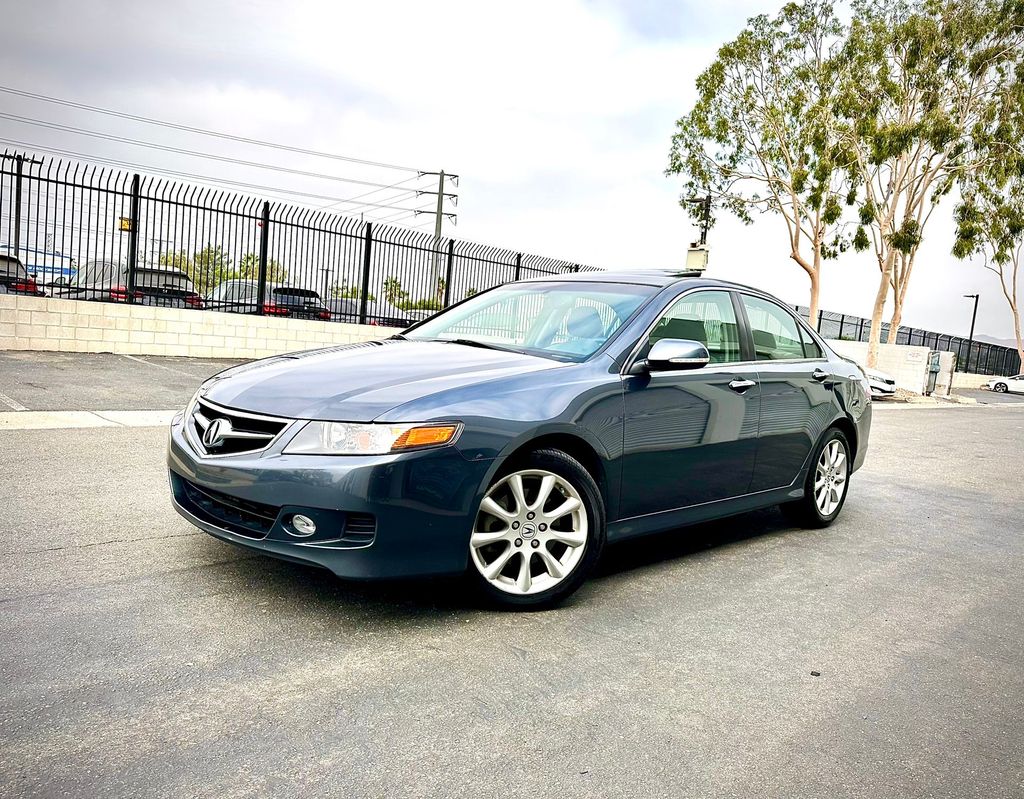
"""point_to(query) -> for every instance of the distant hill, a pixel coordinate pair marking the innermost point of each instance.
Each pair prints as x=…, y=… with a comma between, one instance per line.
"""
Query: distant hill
x=1002, y=342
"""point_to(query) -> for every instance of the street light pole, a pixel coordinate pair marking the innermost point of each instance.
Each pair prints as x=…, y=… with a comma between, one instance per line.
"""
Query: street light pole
x=970, y=341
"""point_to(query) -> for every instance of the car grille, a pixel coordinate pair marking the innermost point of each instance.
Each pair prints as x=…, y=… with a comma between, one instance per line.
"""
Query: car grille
x=220, y=431
x=241, y=516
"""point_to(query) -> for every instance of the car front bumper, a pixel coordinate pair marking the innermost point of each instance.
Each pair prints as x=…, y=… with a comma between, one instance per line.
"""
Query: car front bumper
x=376, y=516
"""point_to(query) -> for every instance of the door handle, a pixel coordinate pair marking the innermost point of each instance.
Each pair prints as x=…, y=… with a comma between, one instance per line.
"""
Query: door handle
x=820, y=375
x=740, y=384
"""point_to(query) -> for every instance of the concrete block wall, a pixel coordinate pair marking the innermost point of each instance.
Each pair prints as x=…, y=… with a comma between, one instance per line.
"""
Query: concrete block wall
x=970, y=380
x=40, y=323
x=906, y=364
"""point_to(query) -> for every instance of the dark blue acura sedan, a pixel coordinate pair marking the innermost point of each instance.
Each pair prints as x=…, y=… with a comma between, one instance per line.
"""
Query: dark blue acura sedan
x=514, y=434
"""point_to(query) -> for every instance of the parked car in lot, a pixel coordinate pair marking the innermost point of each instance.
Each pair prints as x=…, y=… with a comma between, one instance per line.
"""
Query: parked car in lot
x=1014, y=385
x=880, y=384
x=15, y=279
x=612, y=405
x=108, y=281
x=242, y=296
x=378, y=312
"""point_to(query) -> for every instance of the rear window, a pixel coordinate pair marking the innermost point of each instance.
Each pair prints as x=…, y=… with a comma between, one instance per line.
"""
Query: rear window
x=162, y=279
x=297, y=295
x=11, y=267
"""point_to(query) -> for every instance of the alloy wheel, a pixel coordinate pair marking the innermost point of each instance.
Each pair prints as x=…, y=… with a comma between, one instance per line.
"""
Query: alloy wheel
x=530, y=532
x=830, y=477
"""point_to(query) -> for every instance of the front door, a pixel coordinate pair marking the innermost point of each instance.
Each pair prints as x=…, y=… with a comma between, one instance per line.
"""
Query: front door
x=690, y=436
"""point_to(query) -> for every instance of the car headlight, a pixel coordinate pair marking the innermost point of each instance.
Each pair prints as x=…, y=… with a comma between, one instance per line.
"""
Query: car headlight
x=346, y=438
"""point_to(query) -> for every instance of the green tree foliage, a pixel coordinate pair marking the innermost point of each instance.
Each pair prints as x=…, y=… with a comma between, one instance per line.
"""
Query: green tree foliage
x=249, y=269
x=763, y=136
x=990, y=224
x=343, y=290
x=394, y=293
x=211, y=266
x=921, y=85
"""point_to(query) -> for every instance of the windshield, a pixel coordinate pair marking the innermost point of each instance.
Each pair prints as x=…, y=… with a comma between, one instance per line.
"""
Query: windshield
x=567, y=321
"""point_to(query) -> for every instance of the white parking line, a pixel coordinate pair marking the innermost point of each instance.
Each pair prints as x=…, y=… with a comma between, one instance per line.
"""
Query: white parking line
x=161, y=366
x=13, y=404
x=66, y=420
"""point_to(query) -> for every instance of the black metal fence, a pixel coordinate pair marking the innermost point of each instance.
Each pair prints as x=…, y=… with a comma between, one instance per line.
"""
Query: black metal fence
x=94, y=233
x=976, y=357
x=88, y=232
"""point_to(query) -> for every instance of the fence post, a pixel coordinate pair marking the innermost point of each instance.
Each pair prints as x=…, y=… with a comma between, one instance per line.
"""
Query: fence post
x=448, y=273
x=860, y=330
x=19, y=162
x=842, y=321
x=261, y=293
x=821, y=316
x=365, y=286
x=519, y=264
x=133, y=236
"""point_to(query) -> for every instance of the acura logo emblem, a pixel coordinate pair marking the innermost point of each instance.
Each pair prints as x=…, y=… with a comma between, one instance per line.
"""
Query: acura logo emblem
x=215, y=434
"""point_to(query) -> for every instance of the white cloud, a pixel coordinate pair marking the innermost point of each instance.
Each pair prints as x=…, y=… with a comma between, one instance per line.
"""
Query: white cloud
x=556, y=114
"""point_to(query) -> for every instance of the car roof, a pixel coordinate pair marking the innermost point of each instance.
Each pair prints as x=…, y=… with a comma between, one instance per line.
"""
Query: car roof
x=659, y=278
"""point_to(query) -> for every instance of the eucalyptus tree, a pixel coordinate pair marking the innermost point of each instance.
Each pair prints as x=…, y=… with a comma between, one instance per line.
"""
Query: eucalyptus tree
x=990, y=223
x=921, y=81
x=762, y=135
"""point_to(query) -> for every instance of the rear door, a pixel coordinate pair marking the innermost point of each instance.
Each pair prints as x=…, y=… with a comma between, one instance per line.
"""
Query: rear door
x=690, y=437
x=797, y=402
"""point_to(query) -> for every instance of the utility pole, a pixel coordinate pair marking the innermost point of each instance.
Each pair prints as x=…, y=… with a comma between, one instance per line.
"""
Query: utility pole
x=436, y=287
x=970, y=342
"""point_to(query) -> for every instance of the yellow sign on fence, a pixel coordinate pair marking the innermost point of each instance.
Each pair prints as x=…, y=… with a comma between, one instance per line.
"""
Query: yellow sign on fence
x=125, y=224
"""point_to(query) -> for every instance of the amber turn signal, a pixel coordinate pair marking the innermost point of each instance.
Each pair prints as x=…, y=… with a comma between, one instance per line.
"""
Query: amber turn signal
x=426, y=436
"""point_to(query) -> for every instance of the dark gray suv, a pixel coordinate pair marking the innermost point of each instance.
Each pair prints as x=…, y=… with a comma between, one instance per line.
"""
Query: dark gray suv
x=514, y=434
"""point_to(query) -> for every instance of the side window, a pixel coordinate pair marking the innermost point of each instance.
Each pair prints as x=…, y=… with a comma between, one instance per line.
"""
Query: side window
x=811, y=347
x=775, y=332
x=704, y=316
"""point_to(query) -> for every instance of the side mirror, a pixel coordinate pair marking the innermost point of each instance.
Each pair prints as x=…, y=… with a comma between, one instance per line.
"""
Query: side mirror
x=670, y=354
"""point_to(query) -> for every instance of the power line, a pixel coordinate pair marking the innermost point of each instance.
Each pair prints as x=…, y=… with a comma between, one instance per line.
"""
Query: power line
x=375, y=191
x=201, y=131
x=192, y=176
x=182, y=151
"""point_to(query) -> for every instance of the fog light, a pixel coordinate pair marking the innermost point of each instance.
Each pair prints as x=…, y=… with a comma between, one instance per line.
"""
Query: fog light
x=302, y=525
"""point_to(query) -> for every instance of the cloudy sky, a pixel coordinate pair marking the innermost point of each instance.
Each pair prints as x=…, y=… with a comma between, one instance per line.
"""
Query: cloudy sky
x=556, y=115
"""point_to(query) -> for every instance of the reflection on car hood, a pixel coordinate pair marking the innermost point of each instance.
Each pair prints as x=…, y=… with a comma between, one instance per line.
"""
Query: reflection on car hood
x=359, y=382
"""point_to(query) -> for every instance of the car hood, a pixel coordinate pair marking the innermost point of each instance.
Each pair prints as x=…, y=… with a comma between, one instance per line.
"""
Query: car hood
x=360, y=382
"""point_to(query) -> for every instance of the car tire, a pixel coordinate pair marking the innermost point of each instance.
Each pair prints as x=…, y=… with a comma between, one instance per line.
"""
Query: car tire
x=821, y=503
x=1000, y=387
x=515, y=529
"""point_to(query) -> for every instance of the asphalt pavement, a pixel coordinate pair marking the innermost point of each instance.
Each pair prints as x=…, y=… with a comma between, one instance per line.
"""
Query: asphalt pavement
x=742, y=658
x=986, y=397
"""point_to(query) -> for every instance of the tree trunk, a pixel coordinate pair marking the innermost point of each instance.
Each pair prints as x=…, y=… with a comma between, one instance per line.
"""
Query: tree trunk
x=894, y=323
x=814, y=304
x=1020, y=339
x=875, y=335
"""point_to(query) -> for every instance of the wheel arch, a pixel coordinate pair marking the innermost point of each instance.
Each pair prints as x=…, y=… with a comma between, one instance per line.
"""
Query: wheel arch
x=846, y=426
x=588, y=453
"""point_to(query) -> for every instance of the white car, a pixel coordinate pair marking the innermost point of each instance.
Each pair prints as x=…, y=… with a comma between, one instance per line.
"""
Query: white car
x=1013, y=384
x=881, y=384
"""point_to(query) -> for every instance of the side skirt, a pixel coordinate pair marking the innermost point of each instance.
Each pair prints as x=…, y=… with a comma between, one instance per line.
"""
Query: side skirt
x=667, y=520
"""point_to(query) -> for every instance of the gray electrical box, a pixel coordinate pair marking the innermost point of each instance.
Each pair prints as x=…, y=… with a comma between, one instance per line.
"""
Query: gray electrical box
x=697, y=258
